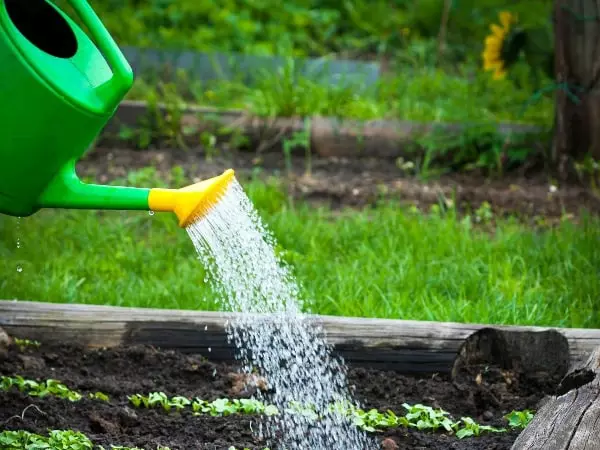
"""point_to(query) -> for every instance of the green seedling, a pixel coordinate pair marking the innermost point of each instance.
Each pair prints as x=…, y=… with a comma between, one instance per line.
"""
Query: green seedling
x=56, y=440
x=372, y=420
x=426, y=418
x=159, y=399
x=39, y=389
x=470, y=428
x=99, y=396
x=138, y=400
x=421, y=417
x=218, y=407
x=26, y=343
x=519, y=419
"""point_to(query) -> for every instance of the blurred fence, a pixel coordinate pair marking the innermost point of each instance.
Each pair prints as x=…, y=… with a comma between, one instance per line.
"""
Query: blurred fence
x=152, y=63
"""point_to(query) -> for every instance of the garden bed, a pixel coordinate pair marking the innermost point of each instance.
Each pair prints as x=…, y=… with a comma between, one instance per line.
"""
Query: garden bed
x=342, y=162
x=123, y=371
x=474, y=371
x=357, y=182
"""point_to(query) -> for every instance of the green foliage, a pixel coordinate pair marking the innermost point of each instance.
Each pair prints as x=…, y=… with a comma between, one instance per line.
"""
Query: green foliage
x=56, y=440
x=425, y=94
x=431, y=95
x=425, y=417
x=308, y=27
x=471, y=428
x=588, y=170
x=474, y=148
x=519, y=419
x=218, y=407
x=26, y=343
x=421, y=87
x=99, y=396
x=421, y=417
x=39, y=389
x=469, y=21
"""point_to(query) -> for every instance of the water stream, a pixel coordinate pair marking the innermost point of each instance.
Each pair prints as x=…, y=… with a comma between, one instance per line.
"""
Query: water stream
x=272, y=335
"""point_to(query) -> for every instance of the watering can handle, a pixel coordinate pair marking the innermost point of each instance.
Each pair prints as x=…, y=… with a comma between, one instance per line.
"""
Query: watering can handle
x=122, y=78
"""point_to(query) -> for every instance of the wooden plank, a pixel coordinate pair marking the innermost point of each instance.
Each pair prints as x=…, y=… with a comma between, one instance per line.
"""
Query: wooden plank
x=409, y=346
x=570, y=421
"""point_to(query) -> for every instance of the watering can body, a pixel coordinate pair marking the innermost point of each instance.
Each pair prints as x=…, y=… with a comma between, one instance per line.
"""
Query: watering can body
x=57, y=91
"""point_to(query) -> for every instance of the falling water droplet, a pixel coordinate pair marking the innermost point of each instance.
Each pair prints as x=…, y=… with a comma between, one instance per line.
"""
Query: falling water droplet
x=18, y=232
x=150, y=213
x=19, y=269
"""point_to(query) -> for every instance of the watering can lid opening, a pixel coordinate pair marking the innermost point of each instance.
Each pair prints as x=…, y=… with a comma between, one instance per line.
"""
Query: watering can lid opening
x=61, y=54
x=43, y=26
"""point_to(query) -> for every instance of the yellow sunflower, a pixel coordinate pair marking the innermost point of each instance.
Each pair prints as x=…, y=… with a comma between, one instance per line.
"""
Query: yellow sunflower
x=492, y=54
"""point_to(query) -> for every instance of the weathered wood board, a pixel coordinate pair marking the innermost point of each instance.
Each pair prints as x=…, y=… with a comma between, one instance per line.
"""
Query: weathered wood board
x=409, y=346
x=571, y=420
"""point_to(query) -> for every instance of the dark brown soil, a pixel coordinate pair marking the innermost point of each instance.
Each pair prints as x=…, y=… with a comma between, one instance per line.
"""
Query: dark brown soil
x=358, y=182
x=122, y=371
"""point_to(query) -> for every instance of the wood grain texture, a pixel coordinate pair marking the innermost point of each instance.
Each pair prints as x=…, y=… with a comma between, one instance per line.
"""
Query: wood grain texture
x=577, y=71
x=570, y=421
x=409, y=346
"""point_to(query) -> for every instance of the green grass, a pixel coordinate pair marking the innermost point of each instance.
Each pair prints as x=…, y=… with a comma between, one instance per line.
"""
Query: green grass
x=383, y=262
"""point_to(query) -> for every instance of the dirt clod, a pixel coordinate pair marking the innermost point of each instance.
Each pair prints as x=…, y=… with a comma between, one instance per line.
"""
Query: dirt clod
x=32, y=362
x=5, y=340
x=389, y=444
x=246, y=385
x=100, y=425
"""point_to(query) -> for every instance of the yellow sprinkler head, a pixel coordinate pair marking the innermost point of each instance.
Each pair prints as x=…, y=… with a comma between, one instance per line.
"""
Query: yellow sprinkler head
x=191, y=202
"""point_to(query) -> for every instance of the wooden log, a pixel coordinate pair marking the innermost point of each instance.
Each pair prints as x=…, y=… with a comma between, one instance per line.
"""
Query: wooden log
x=403, y=345
x=543, y=355
x=570, y=420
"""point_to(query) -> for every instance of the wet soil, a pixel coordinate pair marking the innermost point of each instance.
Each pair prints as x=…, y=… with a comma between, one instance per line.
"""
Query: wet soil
x=485, y=395
x=359, y=182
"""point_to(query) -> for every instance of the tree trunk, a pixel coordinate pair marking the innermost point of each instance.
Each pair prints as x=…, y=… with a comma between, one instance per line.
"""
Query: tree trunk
x=571, y=420
x=577, y=70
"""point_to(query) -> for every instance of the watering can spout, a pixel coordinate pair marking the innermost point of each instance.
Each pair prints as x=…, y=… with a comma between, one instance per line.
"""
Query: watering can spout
x=192, y=202
x=189, y=204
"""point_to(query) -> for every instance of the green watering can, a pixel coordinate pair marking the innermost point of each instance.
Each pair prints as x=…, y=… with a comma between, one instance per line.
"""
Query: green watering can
x=58, y=89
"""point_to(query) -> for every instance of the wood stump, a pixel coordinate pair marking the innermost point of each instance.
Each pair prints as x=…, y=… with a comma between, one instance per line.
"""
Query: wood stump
x=571, y=419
